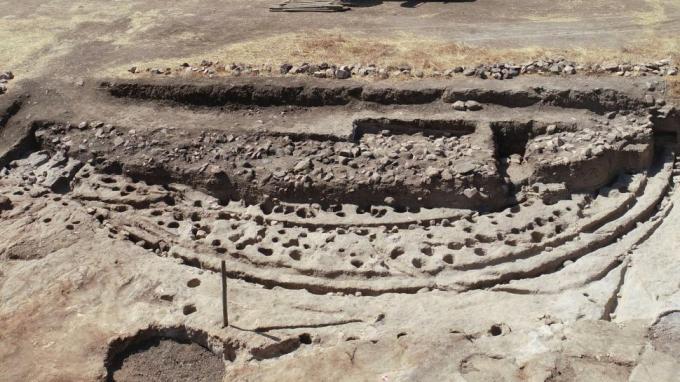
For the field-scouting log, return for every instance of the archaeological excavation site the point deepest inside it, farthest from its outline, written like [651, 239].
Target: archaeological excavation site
[167, 218]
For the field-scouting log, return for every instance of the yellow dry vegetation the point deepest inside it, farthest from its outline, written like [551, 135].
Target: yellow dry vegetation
[673, 89]
[655, 14]
[423, 54]
[53, 28]
[22, 39]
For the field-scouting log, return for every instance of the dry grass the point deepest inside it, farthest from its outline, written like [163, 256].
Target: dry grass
[655, 14]
[673, 89]
[29, 43]
[427, 55]
[21, 39]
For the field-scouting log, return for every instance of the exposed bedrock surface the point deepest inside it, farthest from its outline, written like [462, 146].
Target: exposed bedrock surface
[390, 232]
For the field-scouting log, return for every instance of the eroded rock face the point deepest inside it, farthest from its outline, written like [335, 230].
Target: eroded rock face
[389, 237]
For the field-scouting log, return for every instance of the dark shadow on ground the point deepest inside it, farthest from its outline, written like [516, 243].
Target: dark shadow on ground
[274, 338]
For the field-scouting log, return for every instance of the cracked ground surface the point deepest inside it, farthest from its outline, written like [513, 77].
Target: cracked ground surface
[371, 231]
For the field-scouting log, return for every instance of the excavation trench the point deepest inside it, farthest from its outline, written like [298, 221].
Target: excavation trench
[311, 92]
[274, 172]
[349, 172]
[410, 159]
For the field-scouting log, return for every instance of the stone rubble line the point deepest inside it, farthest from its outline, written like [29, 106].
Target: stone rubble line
[498, 71]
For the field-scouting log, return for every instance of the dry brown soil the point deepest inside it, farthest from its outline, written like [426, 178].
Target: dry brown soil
[168, 360]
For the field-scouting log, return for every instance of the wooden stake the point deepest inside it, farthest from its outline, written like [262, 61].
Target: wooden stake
[225, 315]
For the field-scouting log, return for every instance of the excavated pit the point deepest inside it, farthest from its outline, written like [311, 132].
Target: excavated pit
[394, 191]
[164, 360]
[163, 354]
[339, 189]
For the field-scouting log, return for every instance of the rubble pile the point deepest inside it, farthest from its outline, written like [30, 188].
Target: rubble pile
[497, 71]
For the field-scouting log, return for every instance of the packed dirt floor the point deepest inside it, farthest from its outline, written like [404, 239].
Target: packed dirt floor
[444, 228]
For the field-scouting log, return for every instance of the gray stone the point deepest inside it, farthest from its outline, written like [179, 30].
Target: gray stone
[432, 172]
[470, 193]
[473, 105]
[464, 168]
[305, 164]
[342, 74]
[459, 105]
[649, 99]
